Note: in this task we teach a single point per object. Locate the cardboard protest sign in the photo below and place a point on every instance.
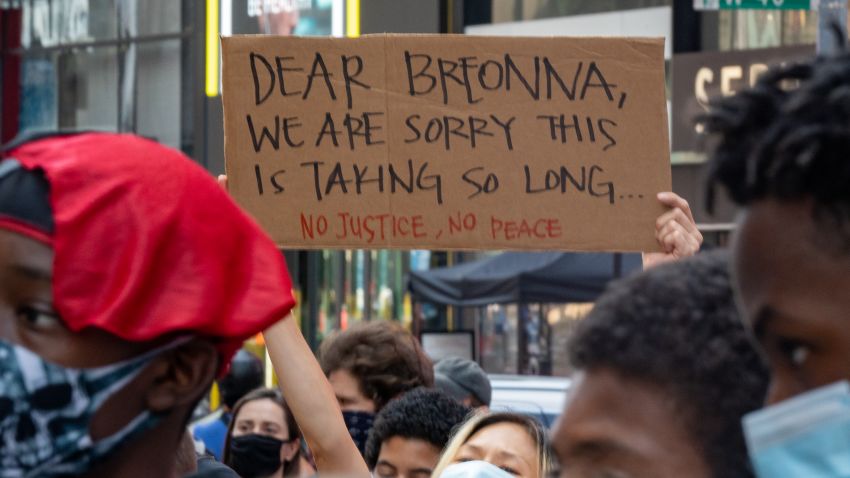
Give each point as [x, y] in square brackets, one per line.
[448, 142]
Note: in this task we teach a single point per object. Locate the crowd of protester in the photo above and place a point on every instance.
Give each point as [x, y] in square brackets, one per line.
[129, 279]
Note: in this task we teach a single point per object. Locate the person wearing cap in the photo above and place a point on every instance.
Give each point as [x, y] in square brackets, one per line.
[463, 380]
[128, 279]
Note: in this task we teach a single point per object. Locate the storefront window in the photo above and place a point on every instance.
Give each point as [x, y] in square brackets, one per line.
[158, 91]
[156, 17]
[520, 10]
[114, 65]
[279, 17]
[748, 29]
[499, 340]
[541, 347]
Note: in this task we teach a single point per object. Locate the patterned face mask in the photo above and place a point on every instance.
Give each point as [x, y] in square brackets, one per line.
[46, 409]
[359, 424]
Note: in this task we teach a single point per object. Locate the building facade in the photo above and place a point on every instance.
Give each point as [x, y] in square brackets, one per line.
[151, 67]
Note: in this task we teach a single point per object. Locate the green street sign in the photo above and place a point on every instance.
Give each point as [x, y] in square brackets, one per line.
[755, 4]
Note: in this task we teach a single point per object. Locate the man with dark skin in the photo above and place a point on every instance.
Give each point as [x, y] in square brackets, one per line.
[170, 385]
[128, 278]
[666, 371]
[783, 154]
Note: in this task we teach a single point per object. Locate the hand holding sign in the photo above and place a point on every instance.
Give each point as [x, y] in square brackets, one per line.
[676, 232]
[448, 142]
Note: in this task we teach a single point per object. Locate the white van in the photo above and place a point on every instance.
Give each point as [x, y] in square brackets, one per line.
[540, 397]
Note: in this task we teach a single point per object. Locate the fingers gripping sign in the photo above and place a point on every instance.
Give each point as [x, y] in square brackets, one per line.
[675, 230]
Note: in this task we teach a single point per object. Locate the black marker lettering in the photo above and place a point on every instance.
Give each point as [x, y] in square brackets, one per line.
[253, 57]
[319, 63]
[351, 78]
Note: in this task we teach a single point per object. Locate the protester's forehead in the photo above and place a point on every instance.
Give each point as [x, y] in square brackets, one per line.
[781, 245]
[783, 275]
[629, 415]
[408, 448]
[261, 410]
[504, 439]
[22, 254]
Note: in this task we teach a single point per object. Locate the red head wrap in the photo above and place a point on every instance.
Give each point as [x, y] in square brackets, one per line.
[147, 244]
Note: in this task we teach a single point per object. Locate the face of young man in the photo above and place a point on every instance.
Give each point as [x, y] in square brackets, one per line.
[406, 458]
[37, 348]
[794, 289]
[27, 316]
[348, 393]
[616, 427]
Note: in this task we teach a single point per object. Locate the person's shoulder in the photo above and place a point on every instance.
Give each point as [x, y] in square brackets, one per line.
[207, 420]
[211, 424]
[209, 468]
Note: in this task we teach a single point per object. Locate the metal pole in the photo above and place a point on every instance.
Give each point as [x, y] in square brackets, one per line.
[831, 13]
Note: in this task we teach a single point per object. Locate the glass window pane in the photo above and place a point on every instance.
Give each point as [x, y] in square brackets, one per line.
[518, 10]
[102, 19]
[158, 78]
[49, 23]
[499, 351]
[277, 17]
[38, 94]
[88, 88]
[155, 17]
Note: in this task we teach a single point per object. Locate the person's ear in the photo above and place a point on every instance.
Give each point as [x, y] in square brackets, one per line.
[182, 375]
[289, 450]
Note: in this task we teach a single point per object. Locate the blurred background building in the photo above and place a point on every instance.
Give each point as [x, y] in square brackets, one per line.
[152, 67]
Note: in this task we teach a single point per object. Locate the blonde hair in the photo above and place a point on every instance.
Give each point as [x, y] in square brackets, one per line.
[483, 420]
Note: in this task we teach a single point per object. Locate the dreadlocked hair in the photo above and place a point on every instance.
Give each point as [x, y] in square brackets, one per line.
[787, 138]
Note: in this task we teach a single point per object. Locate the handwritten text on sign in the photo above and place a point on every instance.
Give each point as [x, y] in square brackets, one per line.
[448, 142]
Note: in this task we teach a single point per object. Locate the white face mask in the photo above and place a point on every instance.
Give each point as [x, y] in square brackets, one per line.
[474, 469]
[808, 435]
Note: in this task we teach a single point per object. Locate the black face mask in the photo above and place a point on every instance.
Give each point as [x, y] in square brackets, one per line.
[359, 424]
[253, 455]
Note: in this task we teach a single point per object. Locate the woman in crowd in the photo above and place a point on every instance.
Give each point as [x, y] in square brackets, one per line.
[263, 439]
[499, 444]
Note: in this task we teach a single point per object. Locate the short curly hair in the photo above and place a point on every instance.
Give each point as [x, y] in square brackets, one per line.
[385, 359]
[676, 327]
[425, 414]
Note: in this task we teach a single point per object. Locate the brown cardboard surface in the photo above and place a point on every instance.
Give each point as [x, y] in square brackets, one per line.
[570, 142]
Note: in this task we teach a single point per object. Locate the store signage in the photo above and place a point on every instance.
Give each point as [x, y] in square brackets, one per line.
[257, 8]
[698, 77]
[46, 24]
[756, 4]
[446, 142]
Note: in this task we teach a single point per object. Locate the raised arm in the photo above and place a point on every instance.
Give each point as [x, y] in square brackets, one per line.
[312, 401]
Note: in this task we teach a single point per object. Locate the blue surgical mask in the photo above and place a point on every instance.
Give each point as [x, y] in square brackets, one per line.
[805, 436]
[46, 410]
[474, 469]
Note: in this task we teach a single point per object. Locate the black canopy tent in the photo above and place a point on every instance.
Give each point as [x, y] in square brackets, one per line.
[523, 277]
